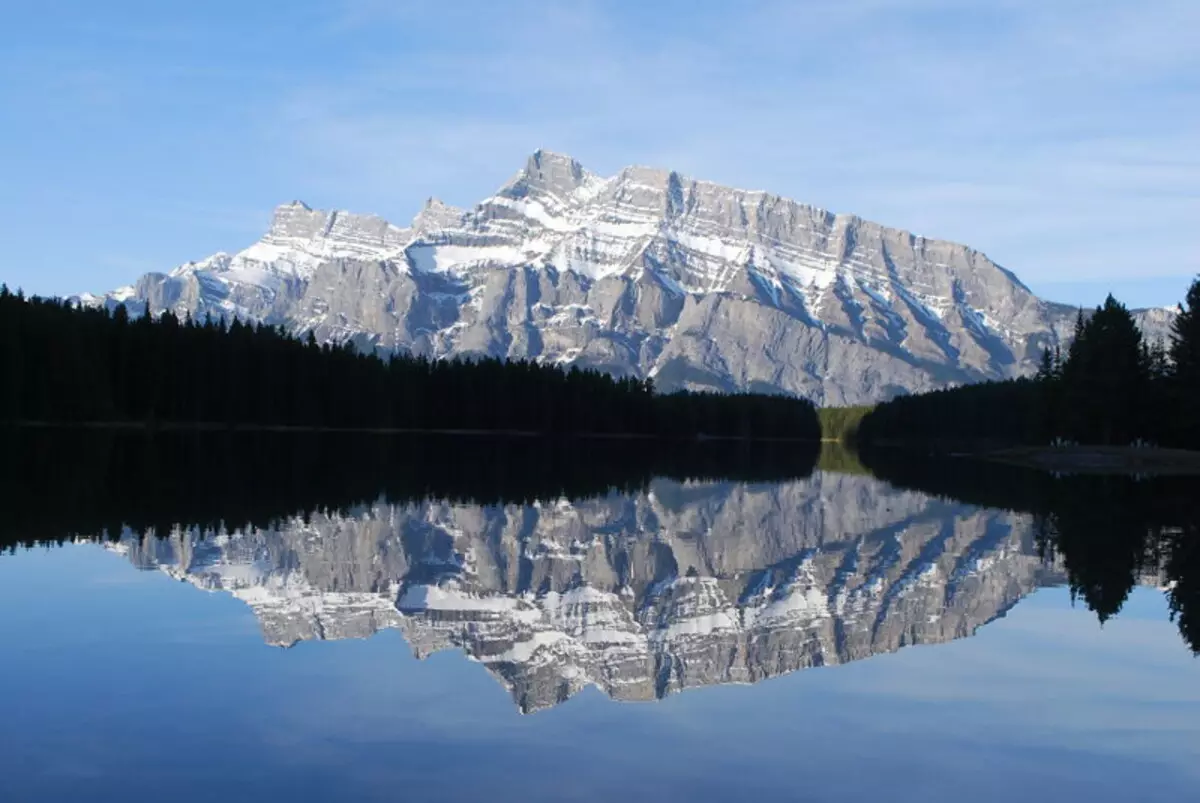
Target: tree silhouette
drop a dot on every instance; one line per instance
(1100, 527)
(1185, 360)
(65, 364)
(1105, 378)
(1183, 570)
(1111, 387)
(1106, 532)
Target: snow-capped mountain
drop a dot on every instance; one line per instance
(644, 595)
(646, 273)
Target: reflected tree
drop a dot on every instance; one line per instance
(1107, 533)
(1099, 528)
(1183, 573)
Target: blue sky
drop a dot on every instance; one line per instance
(1061, 137)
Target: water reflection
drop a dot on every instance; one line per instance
(642, 594)
(560, 567)
(58, 484)
(1109, 533)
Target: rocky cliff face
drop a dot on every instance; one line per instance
(647, 273)
(685, 585)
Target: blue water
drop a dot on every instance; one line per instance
(124, 685)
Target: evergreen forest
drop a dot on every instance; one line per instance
(1111, 387)
(1101, 535)
(67, 364)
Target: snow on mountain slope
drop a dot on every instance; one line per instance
(646, 273)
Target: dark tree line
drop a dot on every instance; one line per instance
(67, 364)
(1111, 387)
(1184, 368)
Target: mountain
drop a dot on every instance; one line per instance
(647, 273)
(681, 586)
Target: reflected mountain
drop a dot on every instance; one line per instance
(678, 585)
(614, 563)
(1108, 532)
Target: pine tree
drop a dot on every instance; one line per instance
(1106, 377)
(1158, 359)
(97, 366)
(11, 357)
(1185, 367)
(1046, 370)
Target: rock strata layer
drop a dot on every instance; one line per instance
(646, 273)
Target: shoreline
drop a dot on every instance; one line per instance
(1111, 460)
(170, 426)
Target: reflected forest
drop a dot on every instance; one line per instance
(242, 425)
(1106, 533)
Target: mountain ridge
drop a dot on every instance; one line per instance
(647, 273)
(680, 586)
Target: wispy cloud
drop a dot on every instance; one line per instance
(1056, 136)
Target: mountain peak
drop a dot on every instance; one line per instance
(548, 172)
(648, 273)
(543, 157)
(436, 214)
(297, 220)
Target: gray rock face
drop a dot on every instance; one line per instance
(647, 273)
(685, 585)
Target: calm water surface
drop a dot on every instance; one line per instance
(825, 638)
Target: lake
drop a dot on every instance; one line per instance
(220, 618)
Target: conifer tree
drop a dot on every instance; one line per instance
(1183, 570)
(11, 367)
(60, 364)
(1185, 367)
(1106, 377)
(1046, 368)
